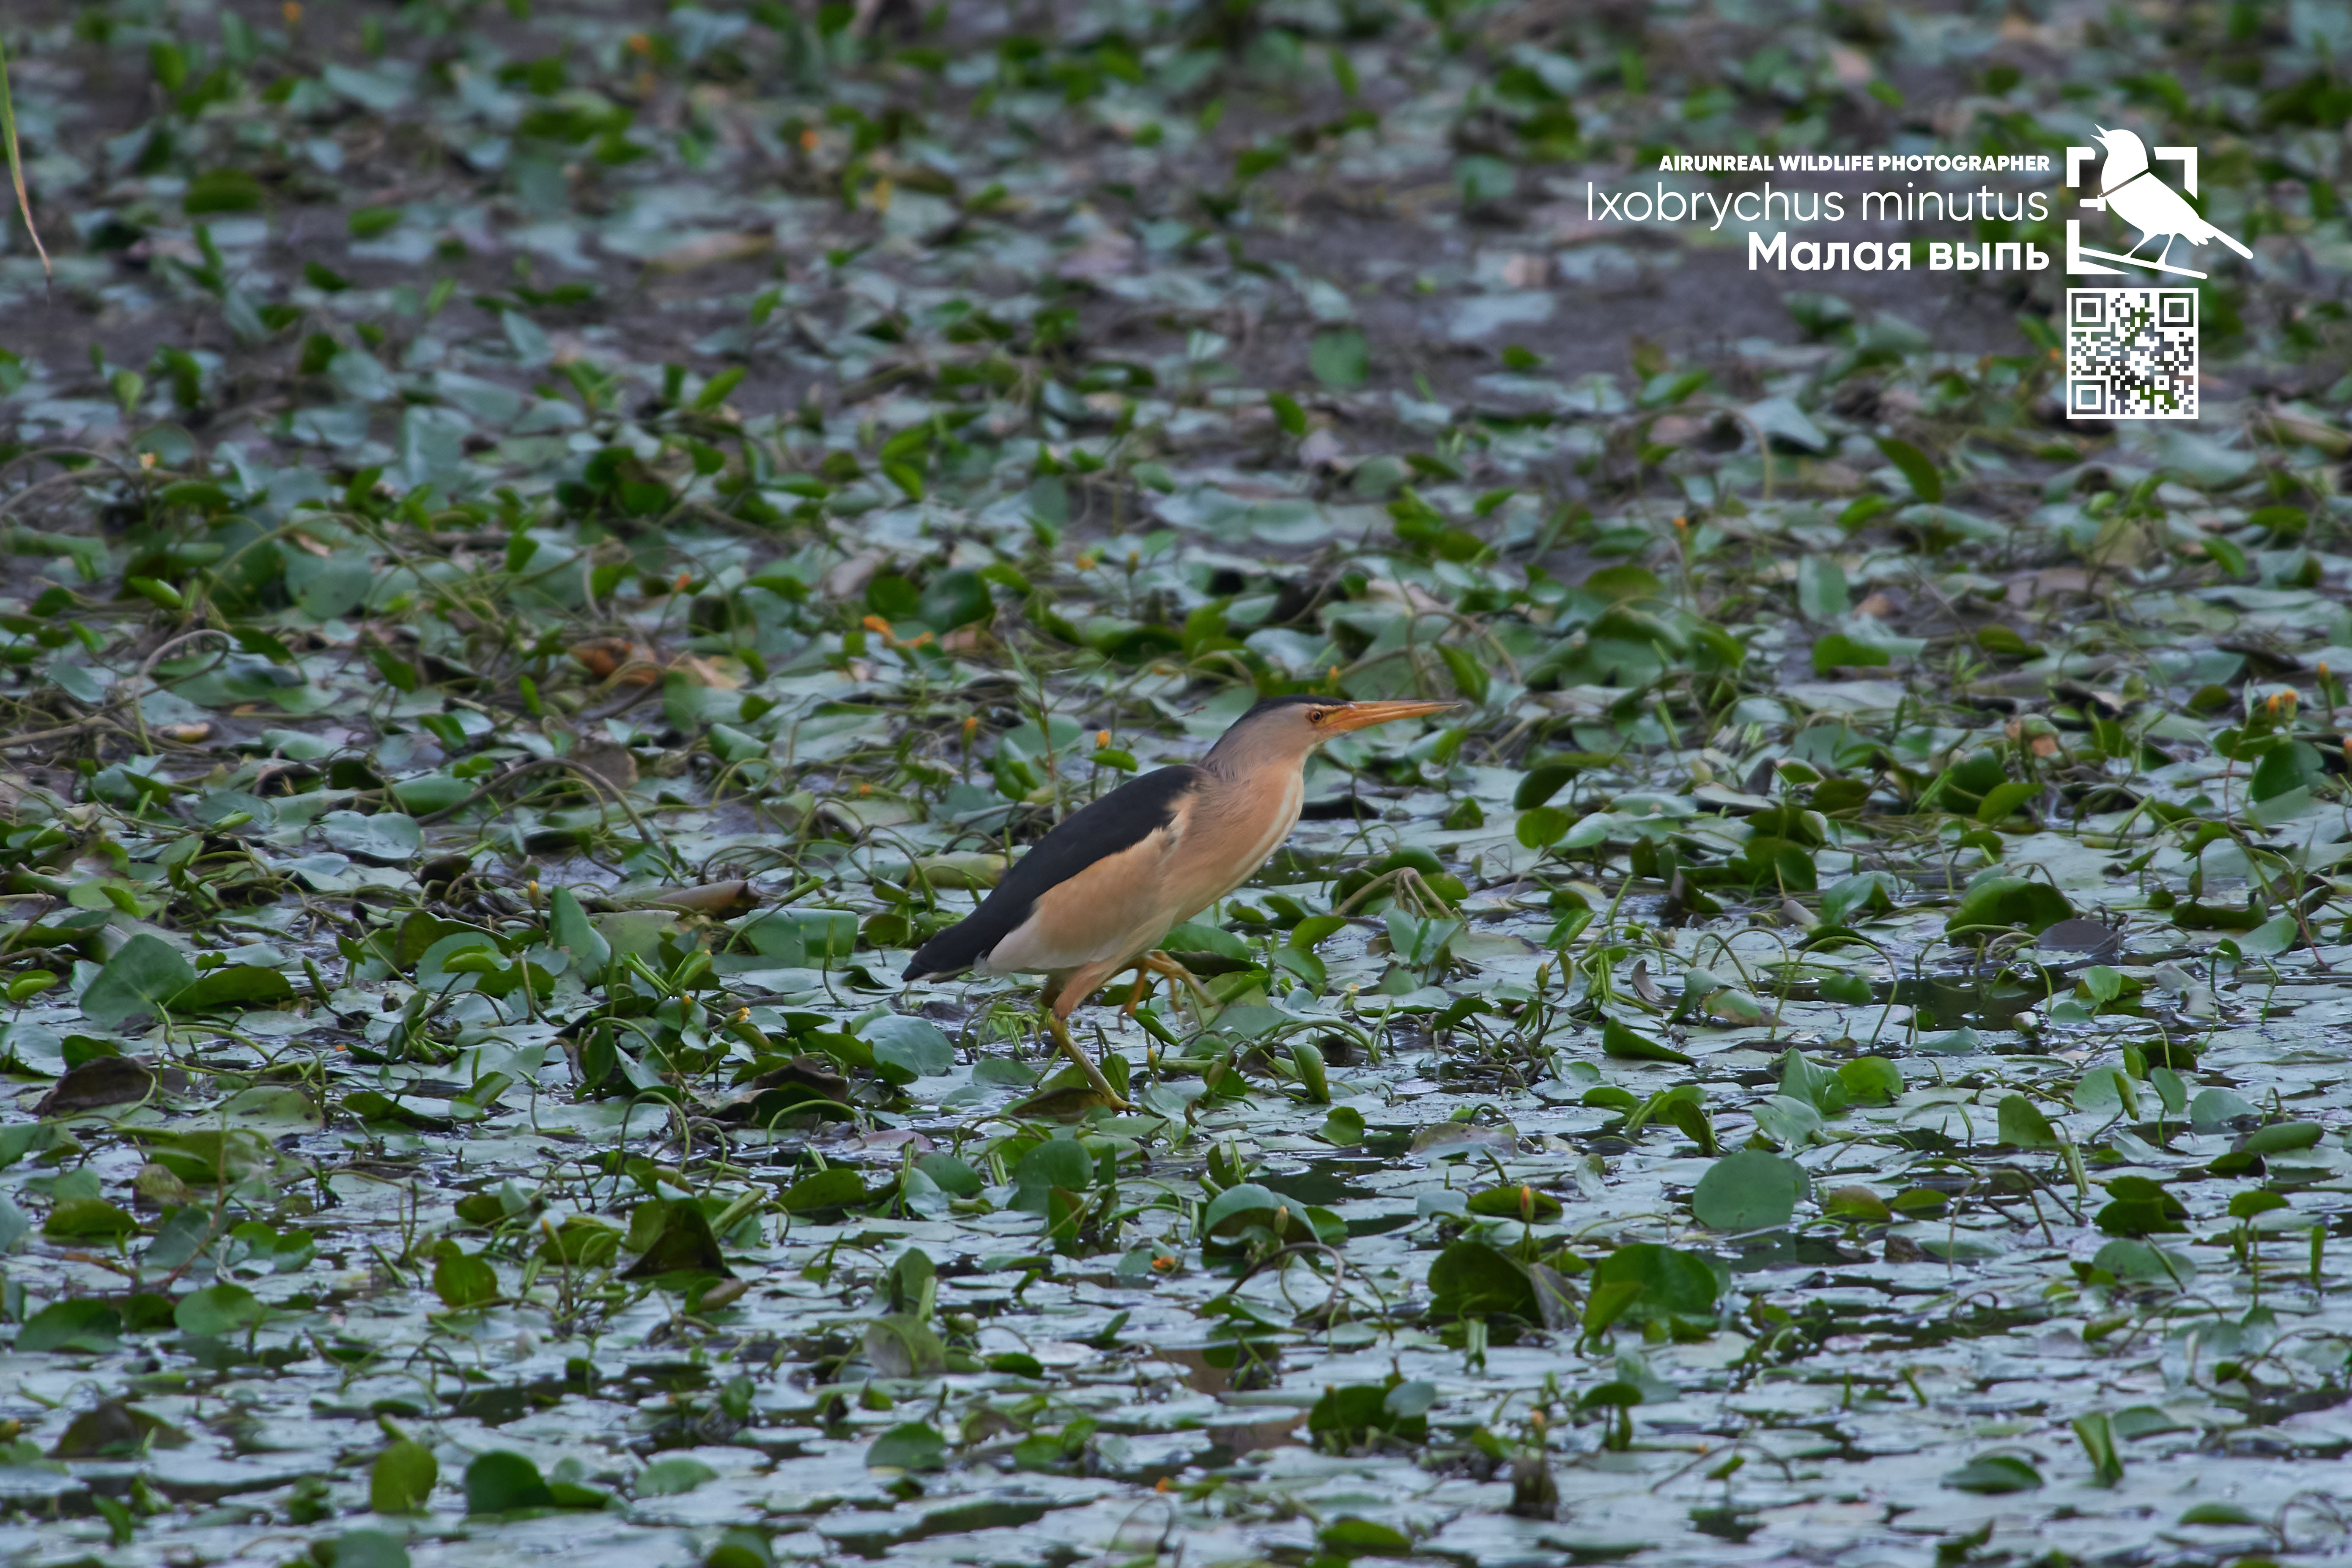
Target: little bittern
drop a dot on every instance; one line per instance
(1099, 891)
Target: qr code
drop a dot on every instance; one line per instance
(2131, 354)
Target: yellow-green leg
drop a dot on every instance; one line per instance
(1159, 963)
(1070, 1048)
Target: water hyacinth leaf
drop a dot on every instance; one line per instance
(2098, 1440)
(2105, 1090)
(673, 1477)
(683, 1243)
(569, 924)
(1472, 1279)
(1749, 1190)
(952, 1175)
(1308, 1062)
(913, 1047)
(2248, 1205)
(1651, 1282)
(1055, 1162)
(1838, 650)
(1618, 1041)
(1514, 1201)
(2137, 1206)
(1870, 1080)
(1340, 358)
(113, 1429)
(2003, 800)
(1918, 471)
(2213, 1109)
(465, 1280)
(2144, 1263)
(143, 974)
(1856, 1204)
(368, 1548)
(1348, 1537)
(1351, 1415)
(502, 1481)
(89, 1220)
(1543, 827)
(836, 1187)
(1994, 1474)
(1850, 989)
(1821, 594)
(403, 1478)
(2009, 903)
(1344, 1126)
(233, 987)
(2022, 1123)
(2285, 1137)
(910, 1446)
(85, 1325)
(902, 1346)
(217, 1311)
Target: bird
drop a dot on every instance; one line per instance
(2133, 192)
(1096, 894)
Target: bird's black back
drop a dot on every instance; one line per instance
(1119, 820)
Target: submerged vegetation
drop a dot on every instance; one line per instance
(549, 546)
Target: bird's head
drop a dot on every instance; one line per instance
(1291, 727)
(2122, 143)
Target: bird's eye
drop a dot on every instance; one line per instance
(1316, 715)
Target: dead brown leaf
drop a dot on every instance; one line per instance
(716, 899)
(607, 761)
(107, 1081)
(618, 659)
(710, 250)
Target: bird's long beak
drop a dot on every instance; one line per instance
(1364, 715)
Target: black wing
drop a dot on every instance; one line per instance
(1119, 820)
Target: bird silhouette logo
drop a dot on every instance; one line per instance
(2130, 188)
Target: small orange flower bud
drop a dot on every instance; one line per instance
(639, 44)
(878, 626)
(1102, 737)
(808, 139)
(293, 12)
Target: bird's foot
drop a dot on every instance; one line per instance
(1085, 1064)
(1175, 974)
